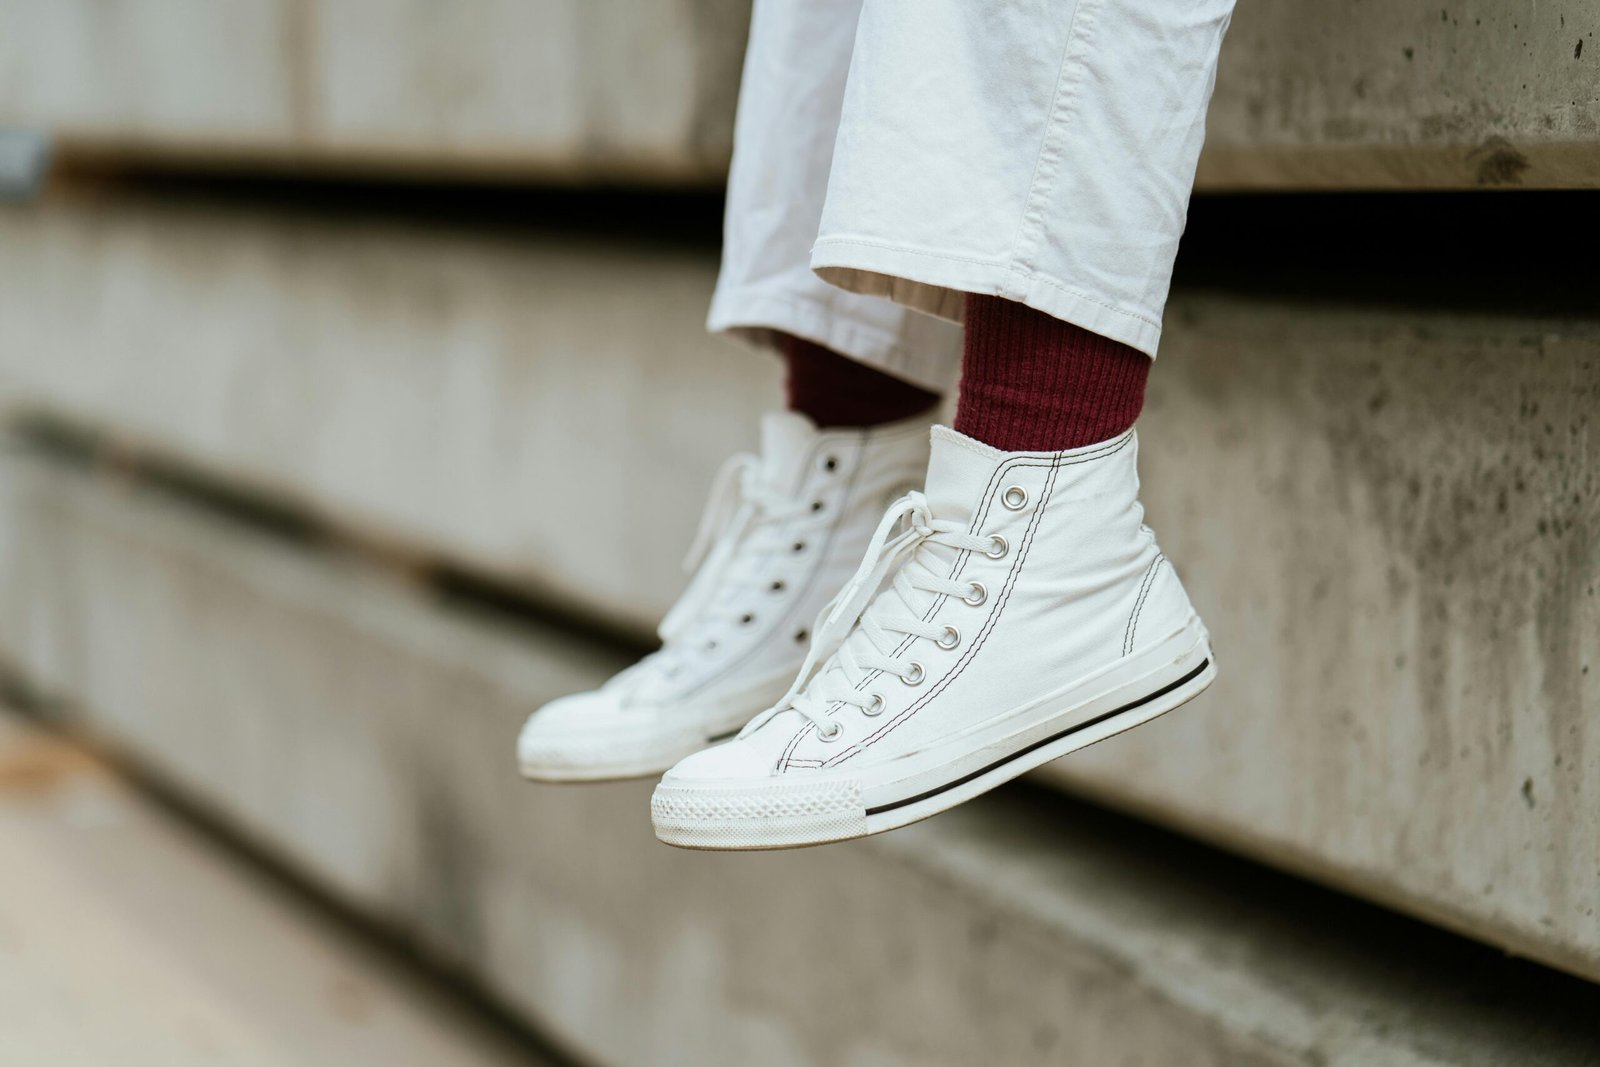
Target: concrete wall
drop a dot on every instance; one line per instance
(1387, 93)
(1407, 94)
(362, 733)
(1387, 513)
(580, 88)
(453, 394)
(132, 938)
(1390, 518)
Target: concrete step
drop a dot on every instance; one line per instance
(453, 393)
(496, 89)
(1382, 498)
(130, 936)
(1408, 95)
(360, 730)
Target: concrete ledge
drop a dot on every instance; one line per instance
(491, 88)
(1406, 94)
(362, 732)
(1389, 516)
(1386, 511)
(1397, 94)
(425, 385)
(132, 937)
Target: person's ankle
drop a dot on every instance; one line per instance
(1034, 383)
(836, 391)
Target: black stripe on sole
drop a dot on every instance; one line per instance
(1163, 691)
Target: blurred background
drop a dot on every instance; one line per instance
(321, 320)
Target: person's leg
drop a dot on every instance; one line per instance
(1026, 166)
(786, 527)
(1031, 382)
(836, 391)
(1048, 162)
(788, 117)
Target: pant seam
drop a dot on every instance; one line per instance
(1048, 164)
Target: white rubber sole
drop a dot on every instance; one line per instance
(623, 754)
(802, 808)
(652, 764)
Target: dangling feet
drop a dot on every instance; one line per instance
(1018, 611)
(780, 536)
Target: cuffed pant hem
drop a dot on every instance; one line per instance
(926, 352)
(936, 283)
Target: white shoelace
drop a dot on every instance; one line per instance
(740, 504)
(856, 634)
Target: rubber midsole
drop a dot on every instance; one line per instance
(1052, 739)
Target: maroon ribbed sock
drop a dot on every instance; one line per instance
(1033, 383)
(835, 390)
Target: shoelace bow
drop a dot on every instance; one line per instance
(856, 634)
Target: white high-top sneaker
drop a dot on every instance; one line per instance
(1027, 613)
(781, 533)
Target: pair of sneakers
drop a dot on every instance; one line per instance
(856, 653)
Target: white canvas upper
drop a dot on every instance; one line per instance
(781, 533)
(1017, 610)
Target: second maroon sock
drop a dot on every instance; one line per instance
(1031, 382)
(835, 390)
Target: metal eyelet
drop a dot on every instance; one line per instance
(874, 709)
(1001, 547)
(830, 464)
(950, 639)
(832, 732)
(817, 505)
(1015, 498)
(777, 586)
(799, 546)
(747, 618)
(915, 675)
(978, 595)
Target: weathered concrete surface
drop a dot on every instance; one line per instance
(363, 733)
(1387, 514)
(566, 88)
(1370, 93)
(1407, 94)
(458, 395)
(129, 937)
(1391, 521)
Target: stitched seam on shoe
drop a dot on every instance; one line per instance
(783, 761)
(906, 642)
(1055, 464)
(1111, 448)
(983, 635)
(1138, 603)
(944, 683)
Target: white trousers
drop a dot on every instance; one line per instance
(892, 155)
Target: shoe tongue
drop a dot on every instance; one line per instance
(958, 469)
(786, 437)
